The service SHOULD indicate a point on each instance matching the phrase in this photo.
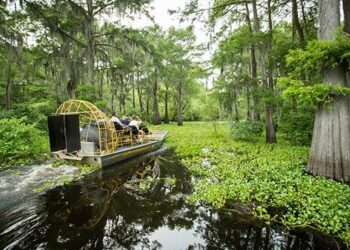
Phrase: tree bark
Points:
(253, 69)
(133, 90)
(237, 116)
(346, 11)
(112, 102)
(269, 124)
(296, 23)
(179, 105)
(304, 19)
(147, 105)
(139, 92)
(330, 147)
(90, 52)
(248, 103)
(8, 89)
(166, 113)
(255, 17)
(156, 115)
(256, 28)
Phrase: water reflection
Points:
(137, 205)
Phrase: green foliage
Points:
(246, 130)
(31, 113)
(65, 180)
(297, 133)
(312, 94)
(43, 187)
(270, 178)
(86, 92)
(101, 104)
(21, 143)
(85, 169)
(318, 55)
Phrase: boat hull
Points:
(122, 155)
(156, 140)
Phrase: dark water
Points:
(136, 205)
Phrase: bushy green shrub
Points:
(86, 92)
(31, 113)
(296, 127)
(21, 143)
(191, 115)
(102, 105)
(246, 130)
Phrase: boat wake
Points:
(18, 182)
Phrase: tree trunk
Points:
(255, 17)
(296, 24)
(253, 71)
(139, 92)
(147, 105)
(229, 117)
(304, 19)
(269, 124)
(112, 102)
(236, 116)
(248, 103)
(8, 89)
(100, 89)
(330, 147)
(133, 90)
(346, 11)
(156, 115)
(179, 105)
(90, 43)
(166, 113)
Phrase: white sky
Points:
(162, 17)
(159, 9)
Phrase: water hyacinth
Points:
(269, 177)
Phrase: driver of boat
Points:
(117, 123)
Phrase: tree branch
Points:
(108, 45)
(51, 24)
(103, 7)
(81, 9)
(221, 6)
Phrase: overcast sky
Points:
(160, 12)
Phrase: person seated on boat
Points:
(142, 126)
(125, 120)
(134, 126)
(117, 123)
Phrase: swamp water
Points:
(139, 204)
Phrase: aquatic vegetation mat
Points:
(269, 178)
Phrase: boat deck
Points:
(127, 147)
(155, 140)
(152, 138)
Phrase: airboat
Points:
(79, 131)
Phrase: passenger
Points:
(142, 126)
(135, 122)
(125, 120)
(117, 123)
(134, 126)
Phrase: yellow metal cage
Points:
(89, 113)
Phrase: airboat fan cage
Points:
(90, 115)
